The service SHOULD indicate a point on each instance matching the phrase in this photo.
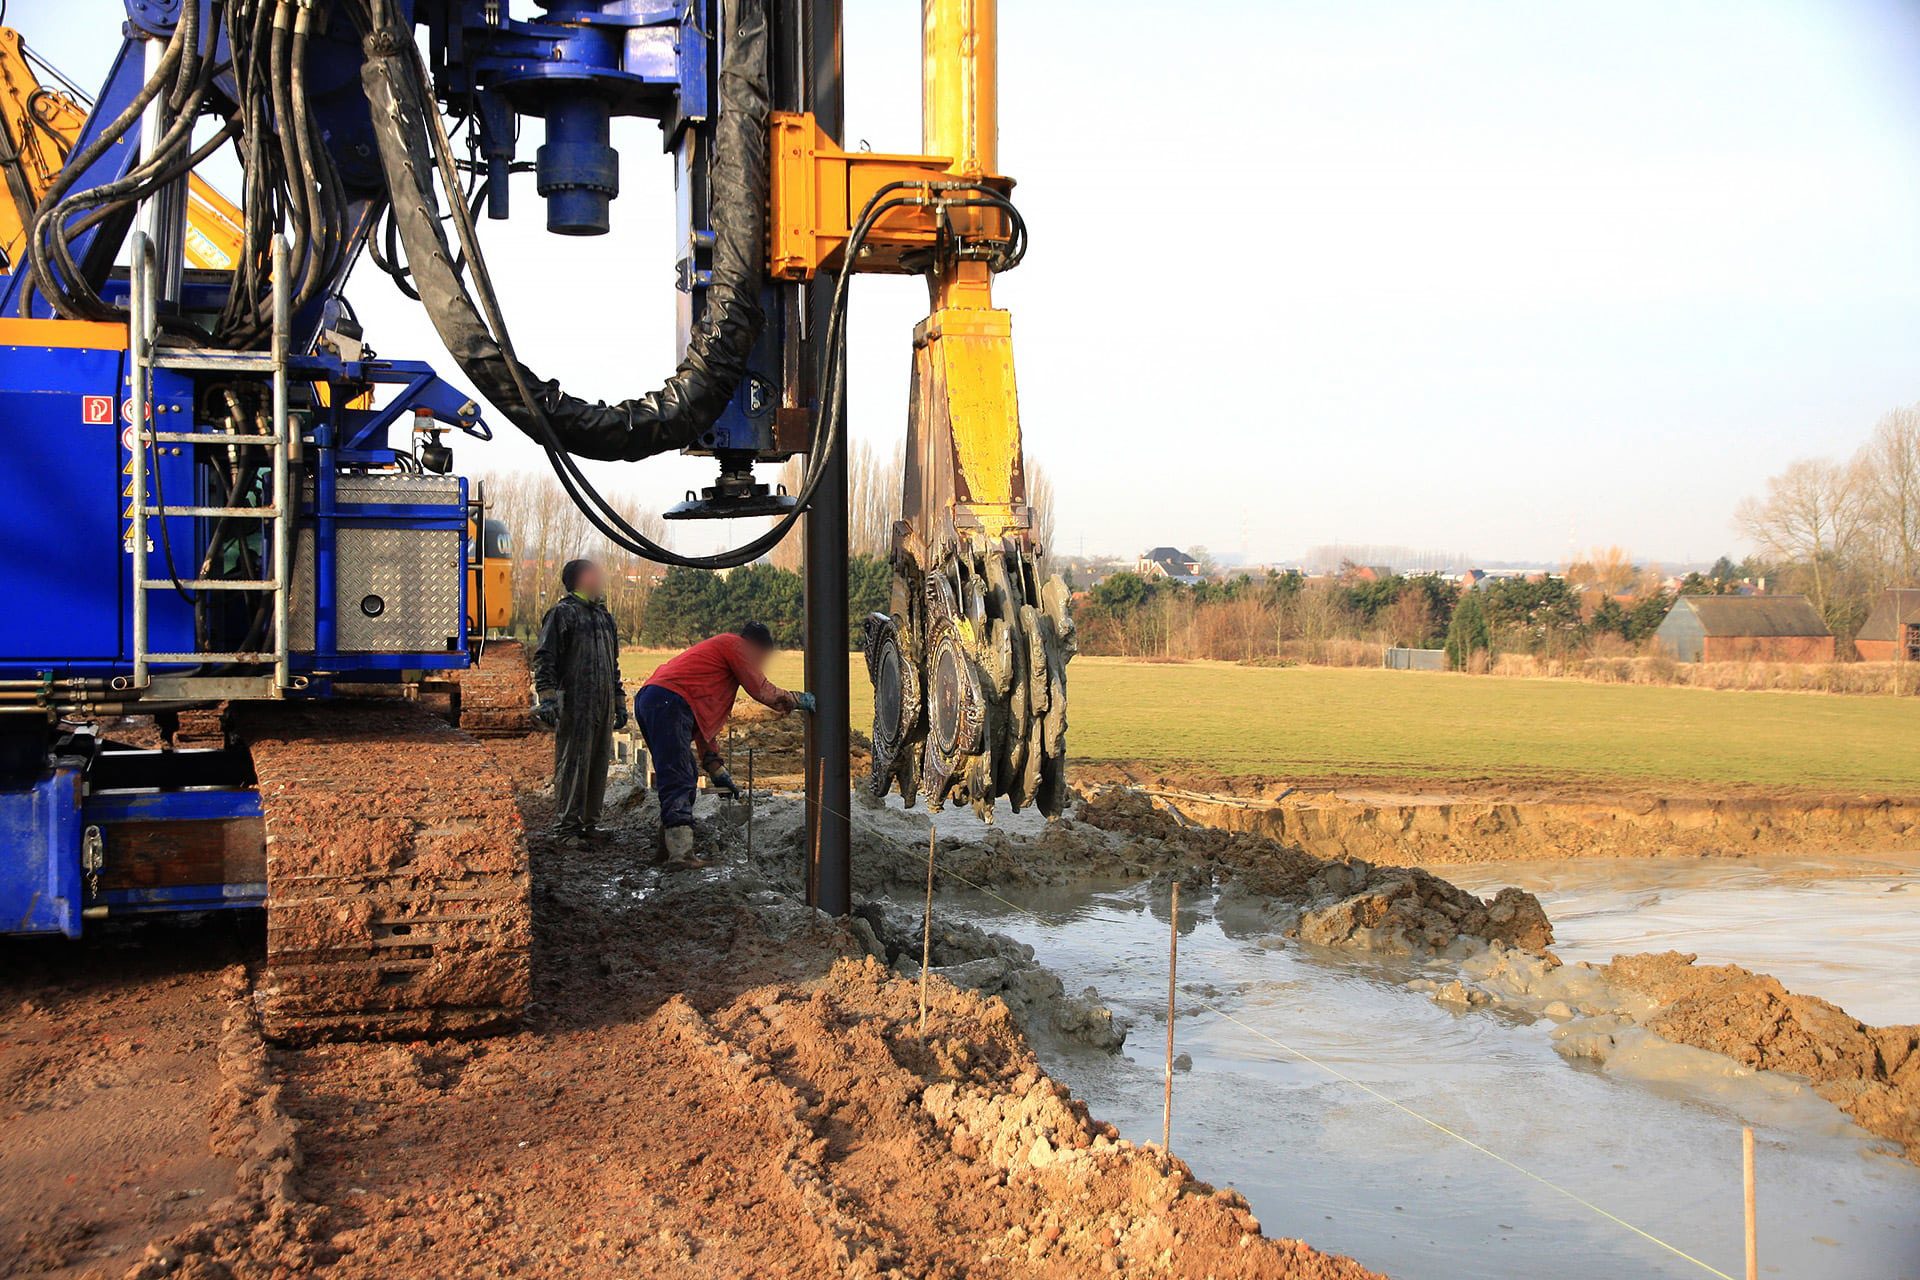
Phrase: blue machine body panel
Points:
(67, 515)
(40, 840)
(67, 512)
(60, 508)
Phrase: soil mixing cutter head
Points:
(969, 680)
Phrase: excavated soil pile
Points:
(991, 964)
(1871, 1073)
(789, 1131)
(1344, 902)
(1480, 827)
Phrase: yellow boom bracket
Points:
(818, 190)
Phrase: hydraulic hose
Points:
(405, 119)
(414, 144)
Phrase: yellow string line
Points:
(1392, 1102)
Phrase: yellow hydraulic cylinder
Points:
(960, 83)
(960, 117)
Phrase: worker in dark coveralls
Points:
(683, 707)
(576, 675)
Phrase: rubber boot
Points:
(679, 842)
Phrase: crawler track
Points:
(397, 898)
(496, 694)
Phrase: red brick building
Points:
(1745, 629)
(1895, 619)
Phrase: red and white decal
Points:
(96, 411)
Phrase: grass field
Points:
(1388, 725)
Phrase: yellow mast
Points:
(960, 118)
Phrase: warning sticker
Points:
(96, 411)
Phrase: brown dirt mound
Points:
(1402, 910)
(1871, 1073)
(1345, 902)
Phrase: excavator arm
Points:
(38, 128)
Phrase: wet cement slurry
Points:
(1845, 929)
(1316, 1157)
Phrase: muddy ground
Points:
(1502, 943)
(713, 1081)
(109, 1059)
(1871, 1073)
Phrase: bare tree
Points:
(1605, 569)
(873, 500)
(791, 551)
(1410, 620)
(1040, 498)
(1813, 518)
(546, 530)
(874, 497)
(1891, 465)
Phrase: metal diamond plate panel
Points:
(396, 590)
(413, 489)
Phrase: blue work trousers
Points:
(666, 722)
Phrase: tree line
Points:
(691, 604)
(1839, 532)
(1349, 618)
(1842, 531)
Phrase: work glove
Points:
(717, 775)
(804, 701)
(619, 715)
(547, 711)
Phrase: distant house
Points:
(1170, 563)
(1745, 628)
(1895, 618)
(1357, 573)
(1471, 579)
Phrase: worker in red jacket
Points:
(683, 707)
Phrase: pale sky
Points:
(1503, 278)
